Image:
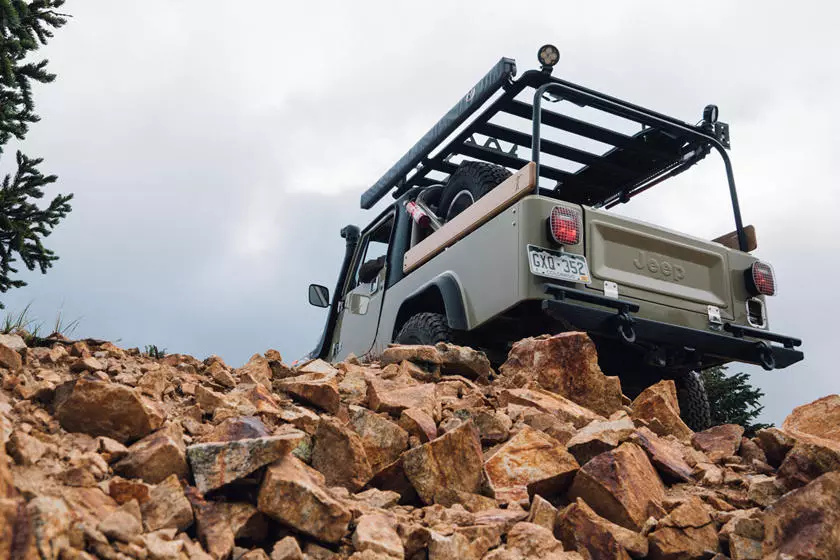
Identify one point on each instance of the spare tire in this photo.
(471, 181)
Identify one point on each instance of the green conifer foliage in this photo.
(732, 399)
(24, 27)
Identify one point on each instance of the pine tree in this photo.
(24, 27)
(732, 399)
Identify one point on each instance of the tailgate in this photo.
(655, 264)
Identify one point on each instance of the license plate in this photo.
(558, 265)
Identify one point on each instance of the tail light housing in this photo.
(564, 225)
(761, 280)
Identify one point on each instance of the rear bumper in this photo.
(615, 319)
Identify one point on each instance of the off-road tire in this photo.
(425, 328)
(472, 179)
(694, 403)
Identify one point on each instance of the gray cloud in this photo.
(215, 151)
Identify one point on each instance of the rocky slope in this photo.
(426, 454)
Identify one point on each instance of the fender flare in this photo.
(449, 288)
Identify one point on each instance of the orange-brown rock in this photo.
(167, 507)
(377, 533)
(319, 389)
(566, 364)
(806, 462)
(461, 360)
(101, 408)
(418, 423)
(286, 548)
(600, 436)
(236, 428)
(542, 513)
(817, 422)
(156, 456)
(551, 403)
(294, 494)
(805, 523)
(531, 460)
(719, 442)
(411, 353)
(686, 533)
(622, 486)
(339, 455)
(382, 439)
(775, 444)
(383, 398)
(216, 464)
(9, 358)
(658, 407)
(452, 461)
(581, 529)
(528, 540)
(665, 455)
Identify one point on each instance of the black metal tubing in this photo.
(704, 343)
(562, 292)
(500, 74)
(741, 331)
(639, 114)
(665, 146)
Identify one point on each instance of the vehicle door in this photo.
(362, 297)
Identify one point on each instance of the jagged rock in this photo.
(156, 456)
(412, 353)
(527, 540)
(24, 448)
(122, 490)
(220, 374)
(493, 427)
(658, 407)
(686, 533)
(208, 400)
(419, 424)
(167, 507)
(750, 451)
(566, 364)
(212, 526)
(471, 502)
(123, 524)
(319, 389)
(216, 464)
(581, 529)
(806, 462)
(236, 428)
(600, 436)
(9, 358)
(551, 403)
(665, 455)
(382, 439)
(719, 442)
(817, 422)
(377, 533)
(452, 461)
(764, 490)
(533, 462)
(160, 547)
(382, 398)
(458, 545)
(101, 408)
(286, 548)
(461, 360)
(339, 455)
(294, 494)
(622, 486)
(804, 523)
(13, 342)
(775, 444)
(88, 363)
(542, 513)
(545, 422)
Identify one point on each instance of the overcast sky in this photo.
(216, 148)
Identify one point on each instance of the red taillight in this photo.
(564, 224)
(761, 280)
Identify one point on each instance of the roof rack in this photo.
(662, 148)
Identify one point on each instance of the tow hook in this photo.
(625, 327)
(765, 356)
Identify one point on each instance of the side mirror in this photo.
(319, 296)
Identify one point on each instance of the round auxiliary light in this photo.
(548, 55)
(710, 113)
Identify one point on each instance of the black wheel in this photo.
(471, 181)
(694, 403)
(425, 328)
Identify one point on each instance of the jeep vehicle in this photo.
(484, 245)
